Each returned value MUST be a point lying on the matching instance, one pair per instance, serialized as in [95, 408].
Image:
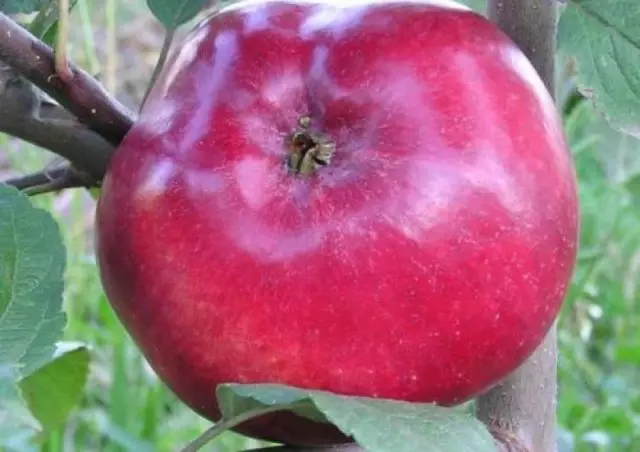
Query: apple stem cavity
[308, 150]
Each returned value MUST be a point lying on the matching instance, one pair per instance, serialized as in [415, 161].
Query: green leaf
[46, 17]
[8, 395]
[15, 420]
[603, 38]
[173, 13]
[52, 391]
[633, 186]
[32, 263]
[45, 24]
[615, 154]
[8, 390]
[20, 6]
[377, 425]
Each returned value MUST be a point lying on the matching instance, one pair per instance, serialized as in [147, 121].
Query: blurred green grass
[599, 334]
[126, 408]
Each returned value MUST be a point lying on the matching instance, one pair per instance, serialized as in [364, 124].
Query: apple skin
[425, 263]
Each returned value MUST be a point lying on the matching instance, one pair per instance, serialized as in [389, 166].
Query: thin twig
[35, 179]
[53, 187]
[84, 96]
[51, 180]
[162, 58]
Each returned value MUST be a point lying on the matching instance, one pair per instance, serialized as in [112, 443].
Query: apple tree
[333, 225]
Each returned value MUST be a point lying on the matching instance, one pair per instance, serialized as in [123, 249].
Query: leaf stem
[62, 65]
[162, 58]
[226, 424]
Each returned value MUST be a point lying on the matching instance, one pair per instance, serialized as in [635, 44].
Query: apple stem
[308, 150]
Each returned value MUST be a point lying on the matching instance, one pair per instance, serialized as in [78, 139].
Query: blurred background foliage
[126, 408]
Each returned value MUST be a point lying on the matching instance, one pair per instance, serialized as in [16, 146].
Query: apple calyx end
[308, 150]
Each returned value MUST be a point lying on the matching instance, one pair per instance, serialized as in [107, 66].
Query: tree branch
[531, 24]
[51, 180]
[36, 179]
[81, 95]
[521, 410]
[26, 114]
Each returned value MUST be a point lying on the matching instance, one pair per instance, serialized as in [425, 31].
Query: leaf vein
[604, 22]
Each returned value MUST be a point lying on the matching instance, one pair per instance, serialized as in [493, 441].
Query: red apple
[371, 198]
